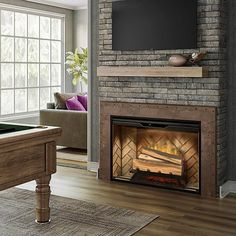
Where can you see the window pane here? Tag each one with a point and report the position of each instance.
(20, 100)
(45, 51)
(33, 99)
(7, 102)
(20, 24)
(33, 50)
(33, 26)
(20, 75)
(54, 90)
(56, 74)
(33, 75)
(30, 61)
(44, 97)
(20, 50)
(44, 27)
(7, 22)
(44, 75)
(56, 51)
(7, 75)
(56, 29)
(7, 49)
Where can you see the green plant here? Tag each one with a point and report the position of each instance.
(78, 65)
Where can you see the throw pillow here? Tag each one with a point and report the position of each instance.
(83, 100)
(60, 100)
(74, 104)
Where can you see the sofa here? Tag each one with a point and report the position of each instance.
(73, 124)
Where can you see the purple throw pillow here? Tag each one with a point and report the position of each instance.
(74, 104)
(83, 99)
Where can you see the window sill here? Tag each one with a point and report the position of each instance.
(18, 116)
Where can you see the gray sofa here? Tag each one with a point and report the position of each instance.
(73, 124)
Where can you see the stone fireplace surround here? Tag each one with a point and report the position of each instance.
(205, 115)
(209, 92)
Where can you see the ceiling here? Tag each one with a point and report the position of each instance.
(70, 4)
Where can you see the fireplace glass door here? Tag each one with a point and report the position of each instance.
(156, 152)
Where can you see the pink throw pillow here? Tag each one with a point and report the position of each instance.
(74, 104)
(83, 99)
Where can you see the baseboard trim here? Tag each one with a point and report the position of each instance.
(93, 166)
(227, 188)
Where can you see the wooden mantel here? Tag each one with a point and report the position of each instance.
(164, 71)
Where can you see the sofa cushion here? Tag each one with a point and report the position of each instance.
(83, 100)
(74, 104)
(60, 100)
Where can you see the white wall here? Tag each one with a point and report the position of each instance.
(81, 37)
(93, 114)
(81, 28)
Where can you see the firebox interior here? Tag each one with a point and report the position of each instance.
(156, 152)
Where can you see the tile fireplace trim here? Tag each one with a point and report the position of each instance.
(206, 115)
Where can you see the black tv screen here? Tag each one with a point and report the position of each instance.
(154, 24)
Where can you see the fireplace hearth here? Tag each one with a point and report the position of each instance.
(156, 152)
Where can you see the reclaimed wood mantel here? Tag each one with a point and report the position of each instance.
(164, 71)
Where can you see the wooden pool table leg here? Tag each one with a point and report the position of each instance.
(42, 199)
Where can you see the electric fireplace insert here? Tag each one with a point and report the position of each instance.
(163, 153)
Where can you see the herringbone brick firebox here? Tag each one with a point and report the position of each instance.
(156, 152)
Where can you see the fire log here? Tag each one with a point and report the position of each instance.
(166, 157)
(157, 167)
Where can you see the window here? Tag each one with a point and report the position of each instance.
(31, 60)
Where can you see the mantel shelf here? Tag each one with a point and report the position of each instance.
(164, 71)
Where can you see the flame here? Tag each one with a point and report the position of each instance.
(166, 147)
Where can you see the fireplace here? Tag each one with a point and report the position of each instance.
(192, 167)
(156, 152)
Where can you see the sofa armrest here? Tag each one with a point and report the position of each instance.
(73, 124)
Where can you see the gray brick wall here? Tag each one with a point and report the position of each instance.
(210, 91)
(231, 91)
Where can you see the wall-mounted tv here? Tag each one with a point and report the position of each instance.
(154, 24)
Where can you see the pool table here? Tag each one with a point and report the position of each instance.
(29, 153)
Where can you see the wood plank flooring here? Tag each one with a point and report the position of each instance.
(180, 213)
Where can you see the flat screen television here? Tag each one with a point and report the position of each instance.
(154, 24)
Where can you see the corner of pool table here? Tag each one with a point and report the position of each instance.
(29, 153)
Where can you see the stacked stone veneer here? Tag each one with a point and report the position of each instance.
(210, 91)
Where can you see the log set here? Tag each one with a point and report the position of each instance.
(156, 161)
(157, 167)
(163, 156)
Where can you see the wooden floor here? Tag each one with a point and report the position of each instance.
(180, 213)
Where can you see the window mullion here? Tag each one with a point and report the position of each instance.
(50, 65)
(39, 64)
(14, 58)
(63, 76)
(0, 62)
(27, 62)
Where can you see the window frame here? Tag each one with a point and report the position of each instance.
(39, 13)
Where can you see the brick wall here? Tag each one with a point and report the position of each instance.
(210, 91)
